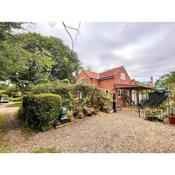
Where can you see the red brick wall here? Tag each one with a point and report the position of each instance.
(94, 81)
(84, 76)
(107, 84)
(88, 80)
(119, 81)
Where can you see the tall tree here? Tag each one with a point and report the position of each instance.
(31, 58)
(6, 34)
(6, 29)
(166, 79)
(66, 63)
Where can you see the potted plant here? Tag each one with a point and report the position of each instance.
(96, 110)
(70, 116)
(80, 115)
(172, 117)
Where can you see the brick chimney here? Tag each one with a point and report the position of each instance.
(151, 82)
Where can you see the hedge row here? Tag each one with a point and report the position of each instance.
(65, 90)
(68, 92)
(40, 111)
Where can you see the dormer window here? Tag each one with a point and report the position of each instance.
(122, 76)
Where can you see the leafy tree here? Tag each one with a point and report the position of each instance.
(31, 58)
(65, 62)
(6, 28)
(6, 33)
(166, 79)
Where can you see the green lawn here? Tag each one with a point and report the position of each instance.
(14, 104)
(46, 150)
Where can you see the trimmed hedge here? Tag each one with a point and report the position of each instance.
(12, 91)
(65, 90)
(87, 89)
(15, 99)
(40, 111)
(92, 95)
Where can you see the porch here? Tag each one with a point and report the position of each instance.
(128, 91)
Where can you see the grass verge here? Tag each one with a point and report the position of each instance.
(53, 149)
(15, 104)
(3, 147)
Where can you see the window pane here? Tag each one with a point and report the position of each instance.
(122, 76)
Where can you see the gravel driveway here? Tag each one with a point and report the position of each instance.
(117, 132)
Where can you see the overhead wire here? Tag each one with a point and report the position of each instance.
(73, 41)
(122, 33)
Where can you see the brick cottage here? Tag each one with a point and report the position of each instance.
(116, 82)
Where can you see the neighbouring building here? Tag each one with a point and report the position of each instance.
(116, 82)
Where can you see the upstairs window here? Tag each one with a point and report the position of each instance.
(122, 76)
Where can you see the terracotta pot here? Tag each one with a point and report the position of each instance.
(71, 119)
(172, 120)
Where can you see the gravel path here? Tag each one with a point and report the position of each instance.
(117, 132)
(8, 112)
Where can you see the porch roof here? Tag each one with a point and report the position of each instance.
(132, 87)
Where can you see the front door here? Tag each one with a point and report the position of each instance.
(114, 102)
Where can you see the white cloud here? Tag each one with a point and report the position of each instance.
(145, 49)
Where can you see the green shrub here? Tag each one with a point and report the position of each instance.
(79, 109)
(15, 99)
(69, 114)
(104, 101)
(5, 149)
(2, 122)
(86, 89)
(80, 115)
(18, 113)
(65, 90)
(3, 86)
(12, 91)
(15, 104)
(65, 81)
(53, 149)
(2, 93)
(40, 111)
(92, 95)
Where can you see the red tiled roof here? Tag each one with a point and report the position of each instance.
(92, 74)
(103, 74)
(110, 72)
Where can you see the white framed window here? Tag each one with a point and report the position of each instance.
(80, 94)
(122, 76)
(82, 81)
(120, 92)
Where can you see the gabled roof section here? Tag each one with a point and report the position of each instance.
(92, 74)
(109, 73)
